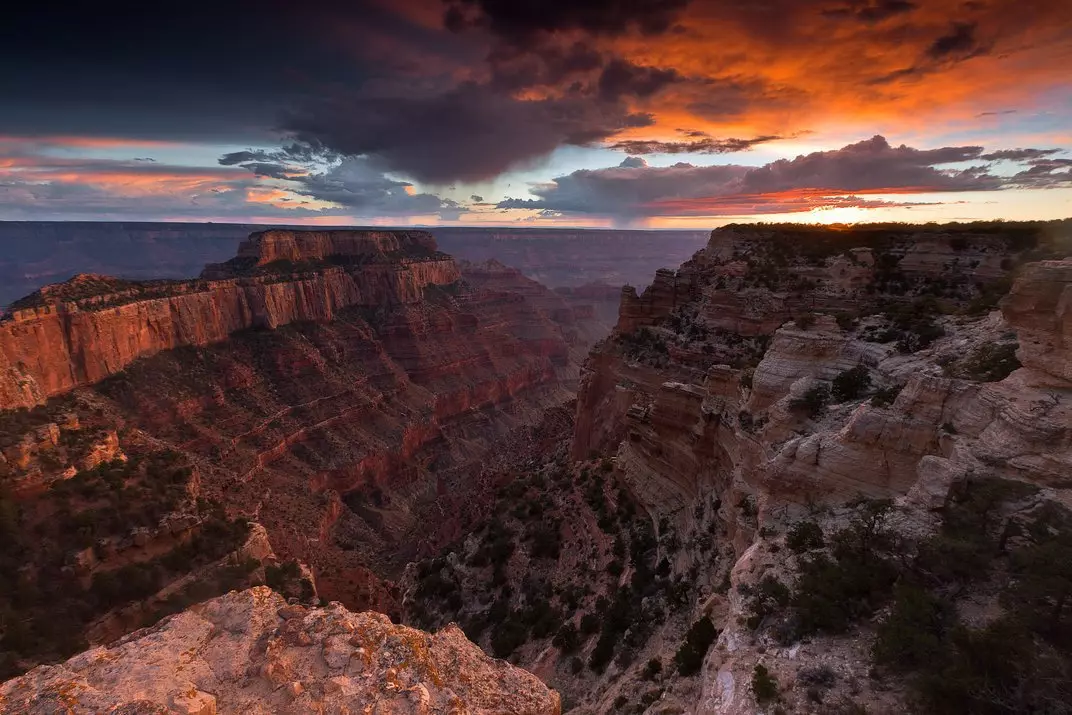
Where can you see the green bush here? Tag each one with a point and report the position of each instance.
(911, 636)
(566, 639)
(886, 396)
(508, 635)
(652, 669)
(804, 536)
(990, 363)
(764, 686)
(770, 596)
(813, 402)
(833, 592)
(851, 383)
(690, 656)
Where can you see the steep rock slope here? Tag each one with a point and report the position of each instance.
(249, 652)
(891, 382)
(344, 436)
(82, 331)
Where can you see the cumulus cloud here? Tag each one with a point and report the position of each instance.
(840, 177)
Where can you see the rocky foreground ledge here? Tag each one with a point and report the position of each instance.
(249, 652)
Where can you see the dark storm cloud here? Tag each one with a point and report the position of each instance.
(548, 65)
(960, 41)
(702, 144)
(869, 167)
(621, 78)
(1018, 154)
(871, 12)
(522, 21)
(469, 133)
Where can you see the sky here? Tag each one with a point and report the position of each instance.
(602, 113)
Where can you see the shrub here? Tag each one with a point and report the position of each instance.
(764, 685)
(851, 383)
(990, 363)
(886, 396)
(508, 635)
(690, 656)
(589, 623)
(812, 402)
(576, 665)
(845, 321)
(911, 636)
(768, 597)
(804, 536)
(832, 592)
(822, 676)
(652, 669)
(805, 321)
(567, 639)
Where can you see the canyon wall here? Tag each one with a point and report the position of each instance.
(768, 382)
(50, 348)
(265, 247)
(344, 405)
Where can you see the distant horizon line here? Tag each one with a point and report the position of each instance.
(428, 227)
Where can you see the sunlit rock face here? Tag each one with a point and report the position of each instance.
(90, 327)
(249, 652)
(1039, 308)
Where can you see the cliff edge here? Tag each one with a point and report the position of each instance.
(90, 327)
(249, 652)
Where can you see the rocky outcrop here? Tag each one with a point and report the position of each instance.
(266, 247)
(1039, 308)
(249, 652)
(718, 432)
(48, 349)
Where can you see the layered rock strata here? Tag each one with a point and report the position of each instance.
(727, 392)
(61, 343)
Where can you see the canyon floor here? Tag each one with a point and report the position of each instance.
(810, 470)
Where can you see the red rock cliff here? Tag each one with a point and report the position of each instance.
(277, 244)
(60, 344)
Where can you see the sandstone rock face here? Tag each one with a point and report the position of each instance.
(278, 244)
(349, 427)
(49, 350)
(761, 282)
(700, 416)
(249, 652)
(1039, 308)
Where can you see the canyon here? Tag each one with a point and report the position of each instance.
(43, 252)
(739, 500)
(328, 390)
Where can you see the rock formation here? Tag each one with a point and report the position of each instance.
(250, 652)
(73, 334)
(728, 390)
(341, 400)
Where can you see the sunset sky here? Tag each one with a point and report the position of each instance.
(637, 113)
